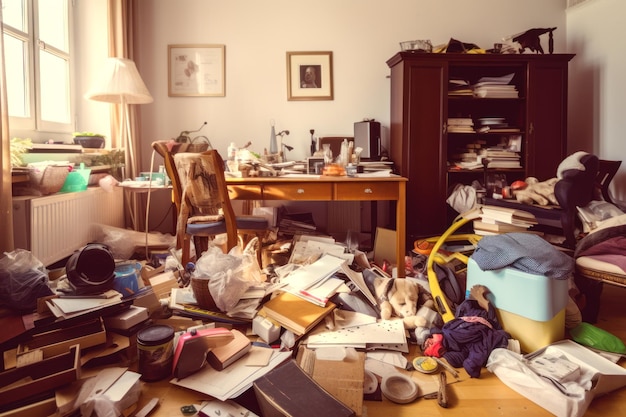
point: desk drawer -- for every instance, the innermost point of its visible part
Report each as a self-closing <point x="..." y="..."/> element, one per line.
<point x="364" y="191"/>
<point x="245" y="192"/>
<point x="298" y="191"/>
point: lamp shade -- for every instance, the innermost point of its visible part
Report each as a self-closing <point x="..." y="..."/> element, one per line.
<point x="120" y="82"/>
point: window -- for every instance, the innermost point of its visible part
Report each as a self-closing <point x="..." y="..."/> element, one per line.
<point x="37" y="58"/>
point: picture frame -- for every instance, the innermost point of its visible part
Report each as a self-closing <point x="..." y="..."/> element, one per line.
<point x="196" y="70"/>
<point x="310" y="75"/>
<point x="314" y="165"/>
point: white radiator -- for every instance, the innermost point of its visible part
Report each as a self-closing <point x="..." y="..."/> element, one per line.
<point x="54" y="226"/>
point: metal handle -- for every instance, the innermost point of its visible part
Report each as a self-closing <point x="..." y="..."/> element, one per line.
<point x="300" y="191"/>
<point x="368" y="191"/>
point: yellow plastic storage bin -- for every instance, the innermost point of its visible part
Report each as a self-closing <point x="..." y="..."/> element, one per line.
<point x="531" y="308"/>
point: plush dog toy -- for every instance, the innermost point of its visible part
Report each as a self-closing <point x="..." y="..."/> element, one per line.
<point x="401" y="297"/>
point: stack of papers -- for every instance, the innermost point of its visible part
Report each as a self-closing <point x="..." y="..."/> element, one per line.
<point x="315" y="282"/>
<point x="67" y="307"/>
<point x="495" y="87"/>
<point x="232" y="381"/>
<point x="385" y="334"/>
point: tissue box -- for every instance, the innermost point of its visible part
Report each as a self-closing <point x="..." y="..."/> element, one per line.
<point x="531" y="308"/>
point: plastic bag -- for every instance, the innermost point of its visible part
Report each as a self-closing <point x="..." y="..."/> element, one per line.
<point x="229" y="275"/>
<point x="23" y="279"/>
<point x="589" y="335"/>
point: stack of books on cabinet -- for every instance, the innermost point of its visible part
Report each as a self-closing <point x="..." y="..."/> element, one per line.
<point x="459" y="88"/>
<point x="460" y="125"/>
<point x="495" y="87"/>
<point x="497" y="220"/>
<point x="495" y="125"/>
<point x="500" y="158"/>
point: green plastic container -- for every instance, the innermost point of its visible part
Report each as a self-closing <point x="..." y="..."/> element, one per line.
<point x="77" y="180"/>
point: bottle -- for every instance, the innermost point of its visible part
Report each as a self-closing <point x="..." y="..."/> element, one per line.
<point x="232" y="152"/>
<point x="273" y="143"/>
<point x="344" y="152"/>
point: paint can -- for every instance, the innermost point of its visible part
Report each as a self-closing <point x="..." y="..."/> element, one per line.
<point x="155" y="351"/>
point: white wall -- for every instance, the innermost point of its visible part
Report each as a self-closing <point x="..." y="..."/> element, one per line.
<point x="597" y="87"/>
<point x="362" y="34"/>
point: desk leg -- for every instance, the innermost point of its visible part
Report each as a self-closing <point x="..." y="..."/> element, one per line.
<point x="131" y="207"/>
<point x="401" y="228"/>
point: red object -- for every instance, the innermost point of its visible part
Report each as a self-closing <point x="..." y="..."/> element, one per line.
<point x="518" y="185"/>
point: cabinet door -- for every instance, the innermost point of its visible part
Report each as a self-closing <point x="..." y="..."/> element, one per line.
<point x="417" y="145"/>
<point x="547" y="116"/>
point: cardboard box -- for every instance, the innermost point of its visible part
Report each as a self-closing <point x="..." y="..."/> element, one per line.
<point x="119" y="385"/>
<point x="19" y="384"/>
<point x="385" y="246"/>
<point x="603" y="375"/>
<point x="55" y="342"/>
<point x="127" y="319"/>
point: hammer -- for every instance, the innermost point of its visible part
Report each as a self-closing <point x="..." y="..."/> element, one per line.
<point x="442" y="393"/>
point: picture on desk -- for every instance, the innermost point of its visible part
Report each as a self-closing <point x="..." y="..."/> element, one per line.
<point x="315" y="165"/>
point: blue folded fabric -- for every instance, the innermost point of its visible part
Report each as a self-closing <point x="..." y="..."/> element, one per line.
<point x="524" y="251"/>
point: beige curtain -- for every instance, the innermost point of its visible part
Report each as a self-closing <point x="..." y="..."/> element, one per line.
<point x="122" y="22"/>
<point x="6" y="198"/>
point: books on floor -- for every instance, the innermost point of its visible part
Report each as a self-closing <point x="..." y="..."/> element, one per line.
<point x="289" y="391"/>
<point x="294" y="313"/>
<point x="224" y="355"/>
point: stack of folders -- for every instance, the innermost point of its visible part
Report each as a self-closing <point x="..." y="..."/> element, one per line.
<point x="496" y="220"/>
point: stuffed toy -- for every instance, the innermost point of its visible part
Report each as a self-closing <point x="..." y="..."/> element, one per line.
<point x="542" y="193"/>
<point x="401" y="297"/>
<point x="539" y="192"/>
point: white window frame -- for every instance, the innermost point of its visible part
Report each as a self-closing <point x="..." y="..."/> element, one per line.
<point x="34" y="126"/>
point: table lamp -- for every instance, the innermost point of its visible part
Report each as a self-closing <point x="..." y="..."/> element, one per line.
<point x="120" y="83"/>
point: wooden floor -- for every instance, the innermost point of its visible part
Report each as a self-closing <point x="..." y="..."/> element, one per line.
<point x="477" y="397"/>
<point x="488" y="396"/>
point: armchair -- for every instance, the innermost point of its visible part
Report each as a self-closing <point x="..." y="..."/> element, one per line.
<point x="575" y="188"/>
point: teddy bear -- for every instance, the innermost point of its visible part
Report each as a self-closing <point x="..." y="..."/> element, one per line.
<point x="401" y="297"/>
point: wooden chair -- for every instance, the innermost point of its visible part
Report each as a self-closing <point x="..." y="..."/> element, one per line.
<point x="202" y="201"/>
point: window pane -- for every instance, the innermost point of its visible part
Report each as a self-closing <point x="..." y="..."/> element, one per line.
<point x="16" y="68"/>
<point x="13" y="14"/>
<point x="53" y="23"/>
<point x="55" y="101"/>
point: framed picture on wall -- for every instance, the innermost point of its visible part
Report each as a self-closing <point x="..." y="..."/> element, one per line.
<point x="196" y="70"/>
<point x="310" y="75"/>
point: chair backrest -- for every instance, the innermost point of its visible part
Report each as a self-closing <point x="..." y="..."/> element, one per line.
<point x="199" y="187"/>
<point x="606" y="172"/>
<point x="163" y="148"/>
<point x="204" y="189"/>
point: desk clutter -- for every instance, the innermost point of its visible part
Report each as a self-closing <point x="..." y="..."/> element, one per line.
<point x="329" y="325"/>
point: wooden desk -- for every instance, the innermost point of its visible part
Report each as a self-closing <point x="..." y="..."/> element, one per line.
<point x="322" y="188"/>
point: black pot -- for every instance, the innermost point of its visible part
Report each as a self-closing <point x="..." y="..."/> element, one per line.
<point x="94" y="142"/>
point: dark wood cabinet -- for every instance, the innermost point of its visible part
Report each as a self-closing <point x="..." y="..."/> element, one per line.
<point x="423" y="148"/>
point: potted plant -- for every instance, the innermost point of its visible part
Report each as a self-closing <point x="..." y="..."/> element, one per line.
<point x="19" y="146"/>
<point x="114" y="159"/>
<point x="89" y="140"/>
